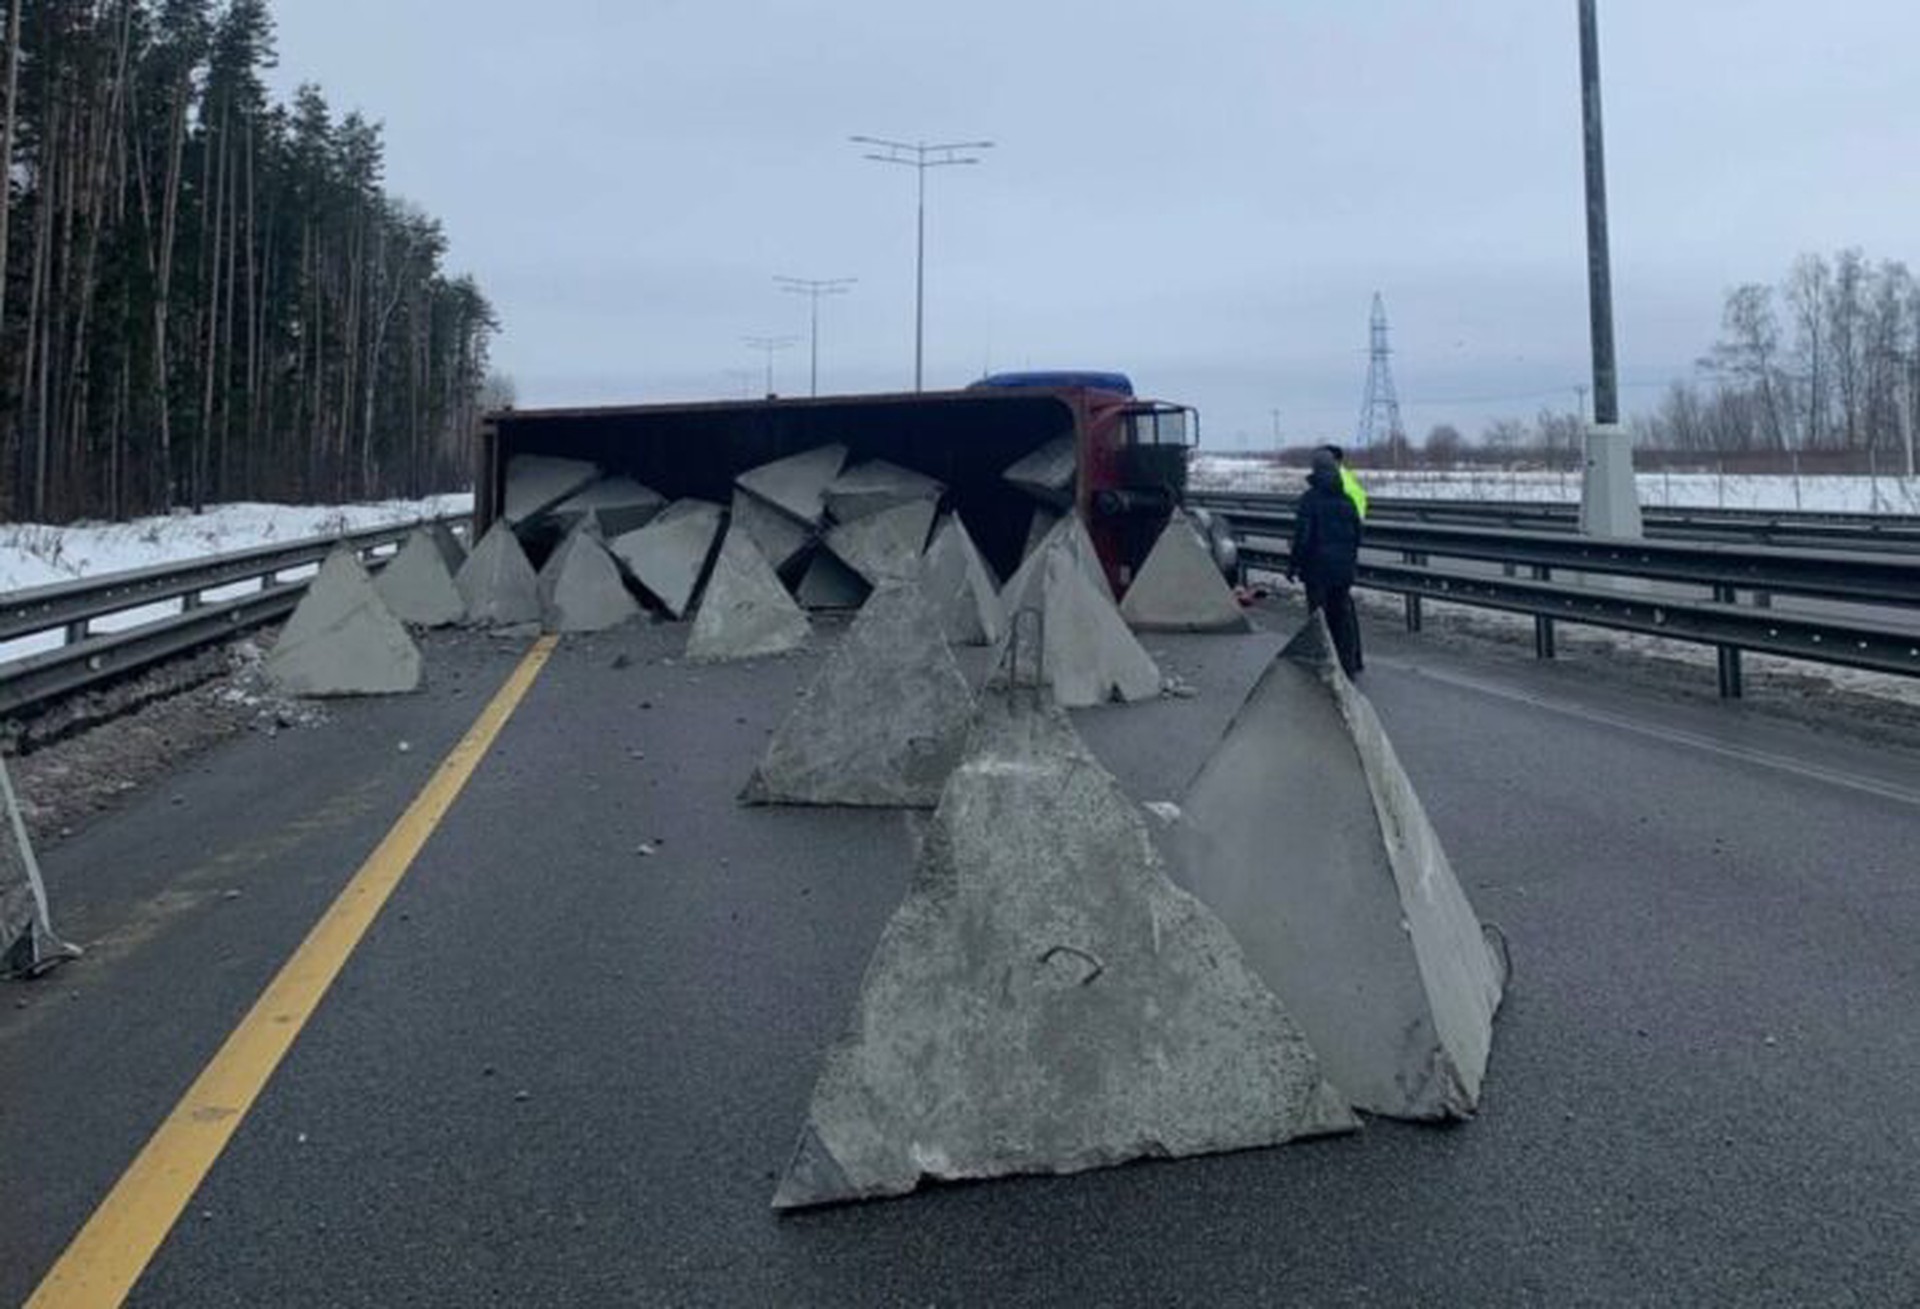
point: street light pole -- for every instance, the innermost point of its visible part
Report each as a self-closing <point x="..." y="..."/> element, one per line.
<point x="920" y="156"/>
<point x="767" y="345"/>
<point x="813" y="288"/>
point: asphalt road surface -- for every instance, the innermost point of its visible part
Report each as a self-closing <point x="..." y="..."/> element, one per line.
<point x="558" y="1071"/>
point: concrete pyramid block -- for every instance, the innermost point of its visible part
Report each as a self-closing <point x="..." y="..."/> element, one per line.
<point x="885" y="546"/>
<point x="498" y="582"/>
<point x="1303" y="831"/>
<point x="830" y="584"/>
<point x="1046" y="1000"/>
<point x="342" y="638"/>
<point x="669" y="555"/>
<point x="797" y="484"/>
<point x="581" y="589"/>
<point x="417" y="585"/>
<point x="882" y="724"/>
<point x="1038" y="530"/>
<point x="780" y="536"/>
<point x="1090" y="655"/>
<point x="961" y="587"/>
<point x="615" y="505"/>
<point x="452" y="553"/>
<point x="539" y="482"/>
<point x="1069" y="534"/>
<point x="875" y="485"/>
<point x="28" y="944"/>
<point x="1179" y="587"/>
<point x="745" y="612"/>
<point x="1047" y="473"/>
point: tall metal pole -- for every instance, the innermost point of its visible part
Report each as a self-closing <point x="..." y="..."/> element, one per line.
<point x="920" y="156"/>
<point x="768" y="345"/>
<point x="813" y="288"/>
<point x="1606" y="387"/>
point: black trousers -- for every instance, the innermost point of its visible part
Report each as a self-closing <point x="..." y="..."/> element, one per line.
<point x="1342" y="622"/>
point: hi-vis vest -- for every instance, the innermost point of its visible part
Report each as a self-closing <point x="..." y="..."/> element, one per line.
<point x="1355" y="492"/>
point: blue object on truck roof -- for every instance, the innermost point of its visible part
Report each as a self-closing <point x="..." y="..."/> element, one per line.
<point x="1095" y="381"/>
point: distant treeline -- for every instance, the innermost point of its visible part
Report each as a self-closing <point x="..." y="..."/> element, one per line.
<point x="205" y="295"/>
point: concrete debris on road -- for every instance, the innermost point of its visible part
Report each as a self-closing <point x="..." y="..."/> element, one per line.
<point x="536" y="483"/>
<point x="498" y="582"/>
<point x="342" y="638"/>
<point x="961" y="587"/>
<point x="581" y="589"/>
<point x="614" y="505"/>
<point x="797" y="484"/>
<point x="884" y="721"/>
<point x="830" y="584"/>
<point x="875" y="485"/>
<point x="417" y="585"/>
<point x="1046" y="1000"/>
<point x="780" y="536"/>
<point x="1089" y="655"/>
<point x="28" y="944"/>
<point x="1180" y="589"/>
<point x="1303" y="830"/>
<point x="669" y="555"/>
<point x="746" y="612"/>
<point x="885" y="546"/>
<point x="1047" y="473"/>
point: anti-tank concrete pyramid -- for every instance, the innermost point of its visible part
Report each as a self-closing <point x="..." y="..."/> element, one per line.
<point x="875" y="485"/>
<point x="1090" y="656"/>
<point x="417" y="586"/>
<point x="745" y="612"/>
<point x="669" y="555"/>
<point x="1046" y="1000"/>
<point x="452" y="553"/>
<point x="1179" y="588"/>
<point x="1039" y="528"/>
<point x="830" y="584"/>
<point x="342" y="639"/>
<point x="961" y="588"/>
<point x="1069" y="534"/>
<point x="498" y="583"/>
<point x="882" y="724"/>
<point x="539" y="482"/>
<point x="581" y="589"/>
<point x="797" y="484"/>
<point x="28" y="944"/>
<point x="885" y="546"/>
<point x="1047" y="473"/>
<point x="1303" y="831"/>
<point x="616" y="505"/>
<point x="780" y="536"/>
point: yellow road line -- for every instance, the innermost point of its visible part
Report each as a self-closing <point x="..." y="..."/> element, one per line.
<point x="118" y="1242"/>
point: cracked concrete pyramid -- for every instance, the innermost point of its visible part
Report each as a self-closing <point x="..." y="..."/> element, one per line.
<point x="830" y="584"/>
<point x="615" y="504"/>
<point x="875" y="485"/>
<point x="1046" y="1000"/>
<point x="669" y="555"/>
<point x="961" y="587"/>
<point x="797" y="484"/>
<point x="745" y="612"/>
<point x="1304" y="832"/>
<point x="417" y="586"/>
<point x="886" y="546"/>
<point x="882" y="724"/>
<point x="581" y="589"/>
<point x="780" y="536"/>
<point x="28" y="945"/>
<point x="342" y="639"/>
<point x="497" y="582"/>
<point x="1179" y="587"/>
<point x="538" y="482"/>
<point x="1047" y="472"/>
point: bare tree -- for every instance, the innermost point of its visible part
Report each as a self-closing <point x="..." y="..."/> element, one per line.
<point x="1807" y="289"/>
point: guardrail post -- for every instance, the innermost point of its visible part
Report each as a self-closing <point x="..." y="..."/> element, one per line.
<point x="1729" y="655"/>
<point x="1415" y="619"/>
<point x="1542" y="625"/>
<point x="191" y="601"/>
<point x="79" y="630"/>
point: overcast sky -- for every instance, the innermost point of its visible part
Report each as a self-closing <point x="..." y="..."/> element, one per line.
<point x="1205" y="196"/>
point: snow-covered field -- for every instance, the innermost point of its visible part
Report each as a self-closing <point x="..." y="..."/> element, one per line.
<point x="1888" y="495"/>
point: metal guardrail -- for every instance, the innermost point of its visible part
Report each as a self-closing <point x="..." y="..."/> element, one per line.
<point x="89" y="658"/>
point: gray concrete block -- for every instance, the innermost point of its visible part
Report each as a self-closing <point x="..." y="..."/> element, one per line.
<point x="797" y="484"/>
<point x="780" y="536"/>
<point x="342" y="639"/>
<point x="1303" y="831"/>
<point x="1180" y="589"/>
<point x="498" y="582"/>
<point x="1039" y="528"/>
<point x="669" y="555"/>
<point x="581" y="589"/>
<point x="1070" y="534"/>
<point x="452" y="553"/>
<point x="886" y="546"/>
<point x="616" y="505"/>
<point x="28" y="944"/>
<point x="1047" y="473"/>
<point x="875" y="485"/>
<point x="417" y="585"/>
<point x="883" y="723"/>
<point x="1046" y="1000"/>
<point x="539" y="482"/>
<point x="746" y="612"/>
<point x="830" y="584"/>
<point x="961" y="587"/>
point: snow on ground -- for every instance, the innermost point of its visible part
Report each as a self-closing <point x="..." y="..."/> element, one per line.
<point x="1888" y="495"/>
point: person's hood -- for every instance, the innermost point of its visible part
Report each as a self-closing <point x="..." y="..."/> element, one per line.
<point x="1325" y="479"/>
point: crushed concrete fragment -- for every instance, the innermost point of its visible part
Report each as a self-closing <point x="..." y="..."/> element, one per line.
<point x="498" y="582"/>
<point x="830" y="584"/>
<point x="885" y="546"/>
<point x="884" y="721"/>
<point x="669" y="555"/>
<point x="417" y="586"/>
<point x="615" y="505"/>
<point x="797" y="484"/>
<point x="961" y="587"/>
<point x="29" y="946"/>
<point x="1303" y="830"/>
<point x="581" y="589"/>
<point x="875" y="485"/>
<point x="1046" y="1000"/>
<point x="780" y="536"/>
<point x="342" y="639"/>
<point x="746" y="612"/>
<point x="539" y="482"/>
<point x="1180" y="589"/>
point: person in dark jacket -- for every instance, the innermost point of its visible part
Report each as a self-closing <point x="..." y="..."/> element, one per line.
<point x="1326" y="551"/>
